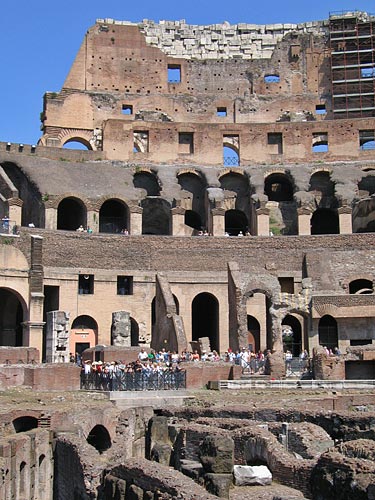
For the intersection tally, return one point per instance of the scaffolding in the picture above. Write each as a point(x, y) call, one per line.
point(352, 46)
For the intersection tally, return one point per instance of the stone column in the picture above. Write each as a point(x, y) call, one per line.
point(178, 221)
point(15, 210)
point(263, 222)
point(33, 328)
point(50, 217)
point(345, 220)
point(135, 220)
point(121, 329)
point(57, 338)
point(304, 221)
point(218, 221)
point(93, 220)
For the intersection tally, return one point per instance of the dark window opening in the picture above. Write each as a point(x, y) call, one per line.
point(71, 214)
point(205, 319)
point(127, 109)
point(325, 221)
point(221, 111)
point(193, 219)
point(99, 438)
point(236, 222)
point(328, 335)
point(124, 285)
point(286, 285)
point(278, 188)
point(24, 424)
point(174, 73)
point(275, 139)
point(186, 142)
point(355, 342)
point(86, 284)
point(361, 287)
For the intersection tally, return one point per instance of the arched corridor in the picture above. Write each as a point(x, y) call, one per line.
point(205, 319)
point(11, 319)
point(113, 217)
point(328, 334)
point(71, 213)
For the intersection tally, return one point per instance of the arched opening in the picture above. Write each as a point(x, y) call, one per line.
point(322, 187)
point(24, 424)
point(194, 184)
point(134, 332)
point(71, 214)
point(11, 318)
point(253, 333)
point(361, 287)
point(77, 143)
point(147, 181)
point(84, 334)
point(42, 475)
point(193, 220)
point(231, 156)
point(236, 187)
point(22, 480)
point(292, 335)
point(283, 209)
point(205, 319)
point(364, 215)
point(235, 221)
point(278, 188)
point(325, 221)
point(156, 216)
point(366, 186)
point(99, 438)
point(113, 217)
point(328, 333)
point(320, 142)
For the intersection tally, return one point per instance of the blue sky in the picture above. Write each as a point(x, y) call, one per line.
point(39, 41)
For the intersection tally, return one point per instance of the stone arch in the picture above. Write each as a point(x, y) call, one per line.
point(42, 475)
point(77, 140)
point(13, 312)
point(24, 423)
point(22, 480)
point(193, 182)
point(71, 213)
point(323, 189)
point(292, 334)
point(364, 215)
point(328, 332)
point(253, 333)
point(366, 186)
point(85, 137)
point(113, 216)
point(148, 180)
point(279, 188)
point(325, 221)
point(236, 185)
point(99, 438)
point(236, 222)
point(156, 216)
point(205, 319)
point(84, 334)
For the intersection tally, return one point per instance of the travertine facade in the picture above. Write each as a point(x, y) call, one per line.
point(230, 130)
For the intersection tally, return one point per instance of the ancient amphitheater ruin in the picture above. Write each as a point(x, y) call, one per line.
point(225, 191)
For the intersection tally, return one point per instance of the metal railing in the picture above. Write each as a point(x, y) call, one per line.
point(231, 161)
point(142, 381)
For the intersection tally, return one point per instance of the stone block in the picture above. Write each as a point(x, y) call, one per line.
point(218, 484)
point(246, 475)
point(217, 454)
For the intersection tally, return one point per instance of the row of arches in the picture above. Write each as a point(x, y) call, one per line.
point(114, 218)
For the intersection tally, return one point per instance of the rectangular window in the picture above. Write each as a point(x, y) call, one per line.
point(174, 73)
point(124, 285)
point(272, 79)
point(367, 139)
point(127, 109)
point(286, 285)
point(275, 140)
point(221, 111)
point(186, 142)
point(140, 144)
point(320, 142)
point(86, 284)
point(320, 109)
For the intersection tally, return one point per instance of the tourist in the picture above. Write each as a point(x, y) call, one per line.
point(80, 229)
point(142, 355)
